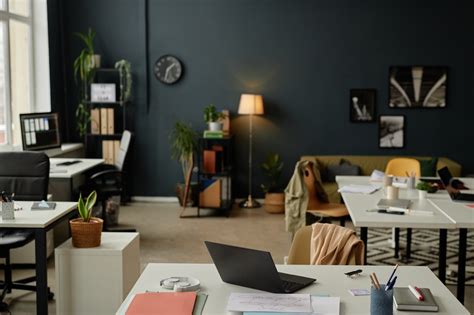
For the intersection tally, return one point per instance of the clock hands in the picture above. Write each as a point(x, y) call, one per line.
point(167, 72)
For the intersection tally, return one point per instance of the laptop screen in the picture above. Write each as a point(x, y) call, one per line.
point(445, 176)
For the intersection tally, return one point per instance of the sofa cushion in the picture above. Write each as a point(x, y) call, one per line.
point(428, 167)
point(345, 168)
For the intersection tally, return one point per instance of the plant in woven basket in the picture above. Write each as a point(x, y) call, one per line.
point(86, 230)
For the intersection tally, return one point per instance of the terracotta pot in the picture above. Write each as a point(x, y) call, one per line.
point(274, 202)
point(86, 234)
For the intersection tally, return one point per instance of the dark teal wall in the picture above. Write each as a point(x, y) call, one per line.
point(303, 56)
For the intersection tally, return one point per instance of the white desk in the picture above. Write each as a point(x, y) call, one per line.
point(330, 280)
point(40, 221)
point(64, 180)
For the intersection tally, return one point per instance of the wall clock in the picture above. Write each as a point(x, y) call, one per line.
point(168, 69)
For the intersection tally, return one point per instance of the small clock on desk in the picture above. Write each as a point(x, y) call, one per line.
point(168, 69)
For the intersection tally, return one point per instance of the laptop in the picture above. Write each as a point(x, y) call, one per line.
point(448, 180)
point(253, 269)
point(393, 203)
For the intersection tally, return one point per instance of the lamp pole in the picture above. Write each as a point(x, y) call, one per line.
point(250, 202)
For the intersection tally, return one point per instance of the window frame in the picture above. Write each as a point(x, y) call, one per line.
point(5, 17)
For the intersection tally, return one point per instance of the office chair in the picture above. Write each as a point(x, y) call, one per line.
point(27, 175)
point(109, 180)
point(401, 167)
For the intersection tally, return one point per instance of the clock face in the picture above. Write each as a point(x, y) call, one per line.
point(168, 69)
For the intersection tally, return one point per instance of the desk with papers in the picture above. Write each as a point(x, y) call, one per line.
point(331, 282)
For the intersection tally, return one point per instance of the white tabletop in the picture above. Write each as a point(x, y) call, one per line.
point(330, 280)
point(459, 212)
point(27, 218)
point(68, 171)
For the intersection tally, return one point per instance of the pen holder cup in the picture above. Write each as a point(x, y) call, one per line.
point(8, 211)
point(411, 182)
point(381, 301)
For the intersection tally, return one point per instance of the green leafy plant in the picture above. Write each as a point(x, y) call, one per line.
point(273, 167)
point(183, 145)
point(85, 208)
point(212, 115)
point(84, 71)
point(125, 69)
point(430, 188)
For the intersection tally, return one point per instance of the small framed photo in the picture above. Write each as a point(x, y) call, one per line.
point(103, 92)
point(391, 131)
point(362, 105)
point(418, 86)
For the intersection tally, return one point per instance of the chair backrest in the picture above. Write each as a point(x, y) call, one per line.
point(403, 166)
point(123, 150)
point(26, 174)
point(300, 250)
point(309, 180)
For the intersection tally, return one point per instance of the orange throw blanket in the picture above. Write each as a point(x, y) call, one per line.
point(335, 245)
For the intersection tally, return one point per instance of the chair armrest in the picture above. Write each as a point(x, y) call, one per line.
point(106, 173)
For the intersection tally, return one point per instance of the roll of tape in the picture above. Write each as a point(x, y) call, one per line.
point(181, 284)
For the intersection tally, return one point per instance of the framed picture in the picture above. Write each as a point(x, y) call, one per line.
point(391, 131)
point(103, 92)
point(362, 105)
point(418, 86)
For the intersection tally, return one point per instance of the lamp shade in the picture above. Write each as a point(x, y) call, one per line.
point(251, 104)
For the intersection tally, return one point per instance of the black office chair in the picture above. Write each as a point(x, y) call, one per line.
point(26, 174)
point(110, 181)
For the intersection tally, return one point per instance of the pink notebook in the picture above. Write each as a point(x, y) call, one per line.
point(165, 303)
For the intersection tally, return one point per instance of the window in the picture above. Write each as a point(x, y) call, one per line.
point(16, 67)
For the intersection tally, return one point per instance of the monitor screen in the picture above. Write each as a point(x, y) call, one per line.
point(40, 131)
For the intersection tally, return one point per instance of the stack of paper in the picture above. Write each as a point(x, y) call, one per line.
point(362, 189)
point(282, 304)
point(377, 176)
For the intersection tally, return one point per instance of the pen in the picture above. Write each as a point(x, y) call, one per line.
point(390, 212)
point(391, 276)
point(392, 284)
point(417, 293)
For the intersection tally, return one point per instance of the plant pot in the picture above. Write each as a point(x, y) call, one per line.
point(274, 202)
point(95, 61)
point(86, 234)
point(215, 126)
point(422, 194)
point(193, 194)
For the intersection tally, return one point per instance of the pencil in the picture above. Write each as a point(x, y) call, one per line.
point(372, 280)
point(376, 280)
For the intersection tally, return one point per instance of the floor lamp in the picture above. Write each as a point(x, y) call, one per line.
point(250, 104)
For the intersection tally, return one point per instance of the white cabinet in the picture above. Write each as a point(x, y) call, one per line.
point(96, 280)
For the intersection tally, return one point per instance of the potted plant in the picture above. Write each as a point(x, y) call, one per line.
point(425, 188)
point(84, 71)
point(125, 70)
point(86, 230)
point(183, 145)
point(212, 117)
point(274, 195)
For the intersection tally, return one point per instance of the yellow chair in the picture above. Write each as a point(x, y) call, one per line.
point(301, 247)
point(315, 206)
point(402, 167)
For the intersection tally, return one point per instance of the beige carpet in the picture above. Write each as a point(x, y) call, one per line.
point(166, 238)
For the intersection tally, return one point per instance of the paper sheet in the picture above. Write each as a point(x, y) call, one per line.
point(363, 189)
point(325, 305)
point(267, 302)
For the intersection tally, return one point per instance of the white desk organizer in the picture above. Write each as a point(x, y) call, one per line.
point(8, 211)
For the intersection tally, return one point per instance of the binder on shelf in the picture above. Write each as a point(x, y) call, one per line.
point(116, 149)
point(105, 151)
point(95, 121)
point(209, 161)
point(103, 121)
point(210, 196)
point(110, 121)
point(111, 152)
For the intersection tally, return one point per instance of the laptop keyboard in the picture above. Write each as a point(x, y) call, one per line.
point(289, 286)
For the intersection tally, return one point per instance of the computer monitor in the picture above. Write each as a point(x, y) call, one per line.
point(40, 131)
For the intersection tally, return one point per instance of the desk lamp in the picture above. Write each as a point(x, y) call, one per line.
point(250, 104)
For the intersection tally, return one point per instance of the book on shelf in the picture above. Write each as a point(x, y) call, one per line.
point(103, 121)
point(95, 121)
point(110, 121)
point(209, 134)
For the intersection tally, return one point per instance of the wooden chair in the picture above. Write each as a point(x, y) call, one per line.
point(316, 207)
point(301, 247)
point(401, 167)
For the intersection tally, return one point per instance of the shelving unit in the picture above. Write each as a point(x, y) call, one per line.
point(226, 174)
point(93, 142)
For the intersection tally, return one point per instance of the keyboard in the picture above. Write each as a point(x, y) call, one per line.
point(289, 286)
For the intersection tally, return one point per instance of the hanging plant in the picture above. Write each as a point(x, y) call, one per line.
point(125, 70)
